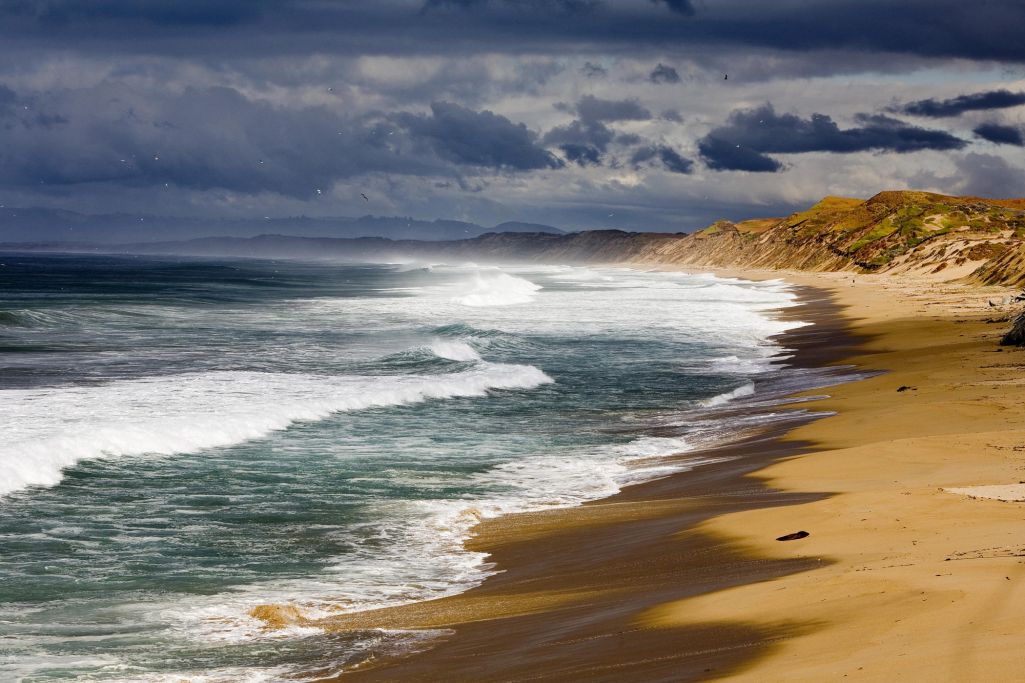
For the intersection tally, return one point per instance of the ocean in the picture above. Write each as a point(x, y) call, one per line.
point(186, 439)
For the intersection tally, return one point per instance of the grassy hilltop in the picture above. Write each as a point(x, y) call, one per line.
point(898, 231)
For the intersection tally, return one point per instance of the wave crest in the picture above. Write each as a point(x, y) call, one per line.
point(741, 391)
point(48, 430)
point(498, 289)
point(454, 349)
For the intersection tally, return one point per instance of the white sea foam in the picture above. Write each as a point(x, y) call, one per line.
point(741, 391)
point(48, 430)
point(424, 556)
point(495, 288)
point(454, 349)
point(742, 366)
point(650, 446)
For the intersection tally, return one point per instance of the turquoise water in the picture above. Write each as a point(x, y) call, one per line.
point(185, 439)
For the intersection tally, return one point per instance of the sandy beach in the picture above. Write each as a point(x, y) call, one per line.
point(683, 578)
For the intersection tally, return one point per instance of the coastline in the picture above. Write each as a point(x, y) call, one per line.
point(682, 579)
point(922, 582)
point(566, 563)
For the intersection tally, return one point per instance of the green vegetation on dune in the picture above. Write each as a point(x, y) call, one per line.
point(871, 233)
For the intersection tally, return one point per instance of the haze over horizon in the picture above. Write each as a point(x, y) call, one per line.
point(633, 114)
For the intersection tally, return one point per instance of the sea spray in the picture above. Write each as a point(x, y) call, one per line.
point(494, 288)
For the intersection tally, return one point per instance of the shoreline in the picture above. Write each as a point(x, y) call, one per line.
point(561, 567)
point(682, 578)
point(897, 599)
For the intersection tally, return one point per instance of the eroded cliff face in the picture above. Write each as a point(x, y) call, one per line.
point(893, 232)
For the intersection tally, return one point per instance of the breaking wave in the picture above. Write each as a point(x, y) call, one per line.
point(47, 431)
point(741, 391)
point(498, 289)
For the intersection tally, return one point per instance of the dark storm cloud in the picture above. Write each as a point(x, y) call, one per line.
point(591, 108)
point(116, 136)
point(749, 136)
point(113, 135)
point(7, 99)
point(1000, 134)
point(484, 138)
point(664, 74)
point(989, 30)
point(674, 162)
point(581, 141)
point(670, 158)
point(159, 12)
point(585, 140)
point(583, 144)
point(120, 98)
point(566, 6)
point(683, 7)
point(725, 155)
point(582, 155)
point(993, 99)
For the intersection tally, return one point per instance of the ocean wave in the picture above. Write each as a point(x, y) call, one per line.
point(736, 365)
point(741, 391)
point(497, 289)
point(49, 430)
point(454, 349)
point(32, 318)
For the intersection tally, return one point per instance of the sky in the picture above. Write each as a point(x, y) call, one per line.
point(633, 114)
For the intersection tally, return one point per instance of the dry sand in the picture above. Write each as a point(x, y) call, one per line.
point(682, 579)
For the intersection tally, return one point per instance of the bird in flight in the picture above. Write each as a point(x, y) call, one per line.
point(364, 196)
point(726, 77)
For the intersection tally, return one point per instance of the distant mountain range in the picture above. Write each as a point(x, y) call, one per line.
point(38, 225)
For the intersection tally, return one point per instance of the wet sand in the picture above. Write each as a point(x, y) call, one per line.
point(682, 578)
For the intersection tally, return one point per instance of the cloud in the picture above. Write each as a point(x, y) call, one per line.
point(582, 155)
point(157, 12)
point(591, 108)
point(988, 175)
point(112, 135)
point(7, 99)
point(749, 136)
point(725, 155)
point(213, 89)
point(263, 28)
point(670, 158)
point(664, 74)
point(992, 99)
point(683, 7)
point(583, 142)
point(1000, 134)
point(564, 6)
point(484, 138)
point(674, 162)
